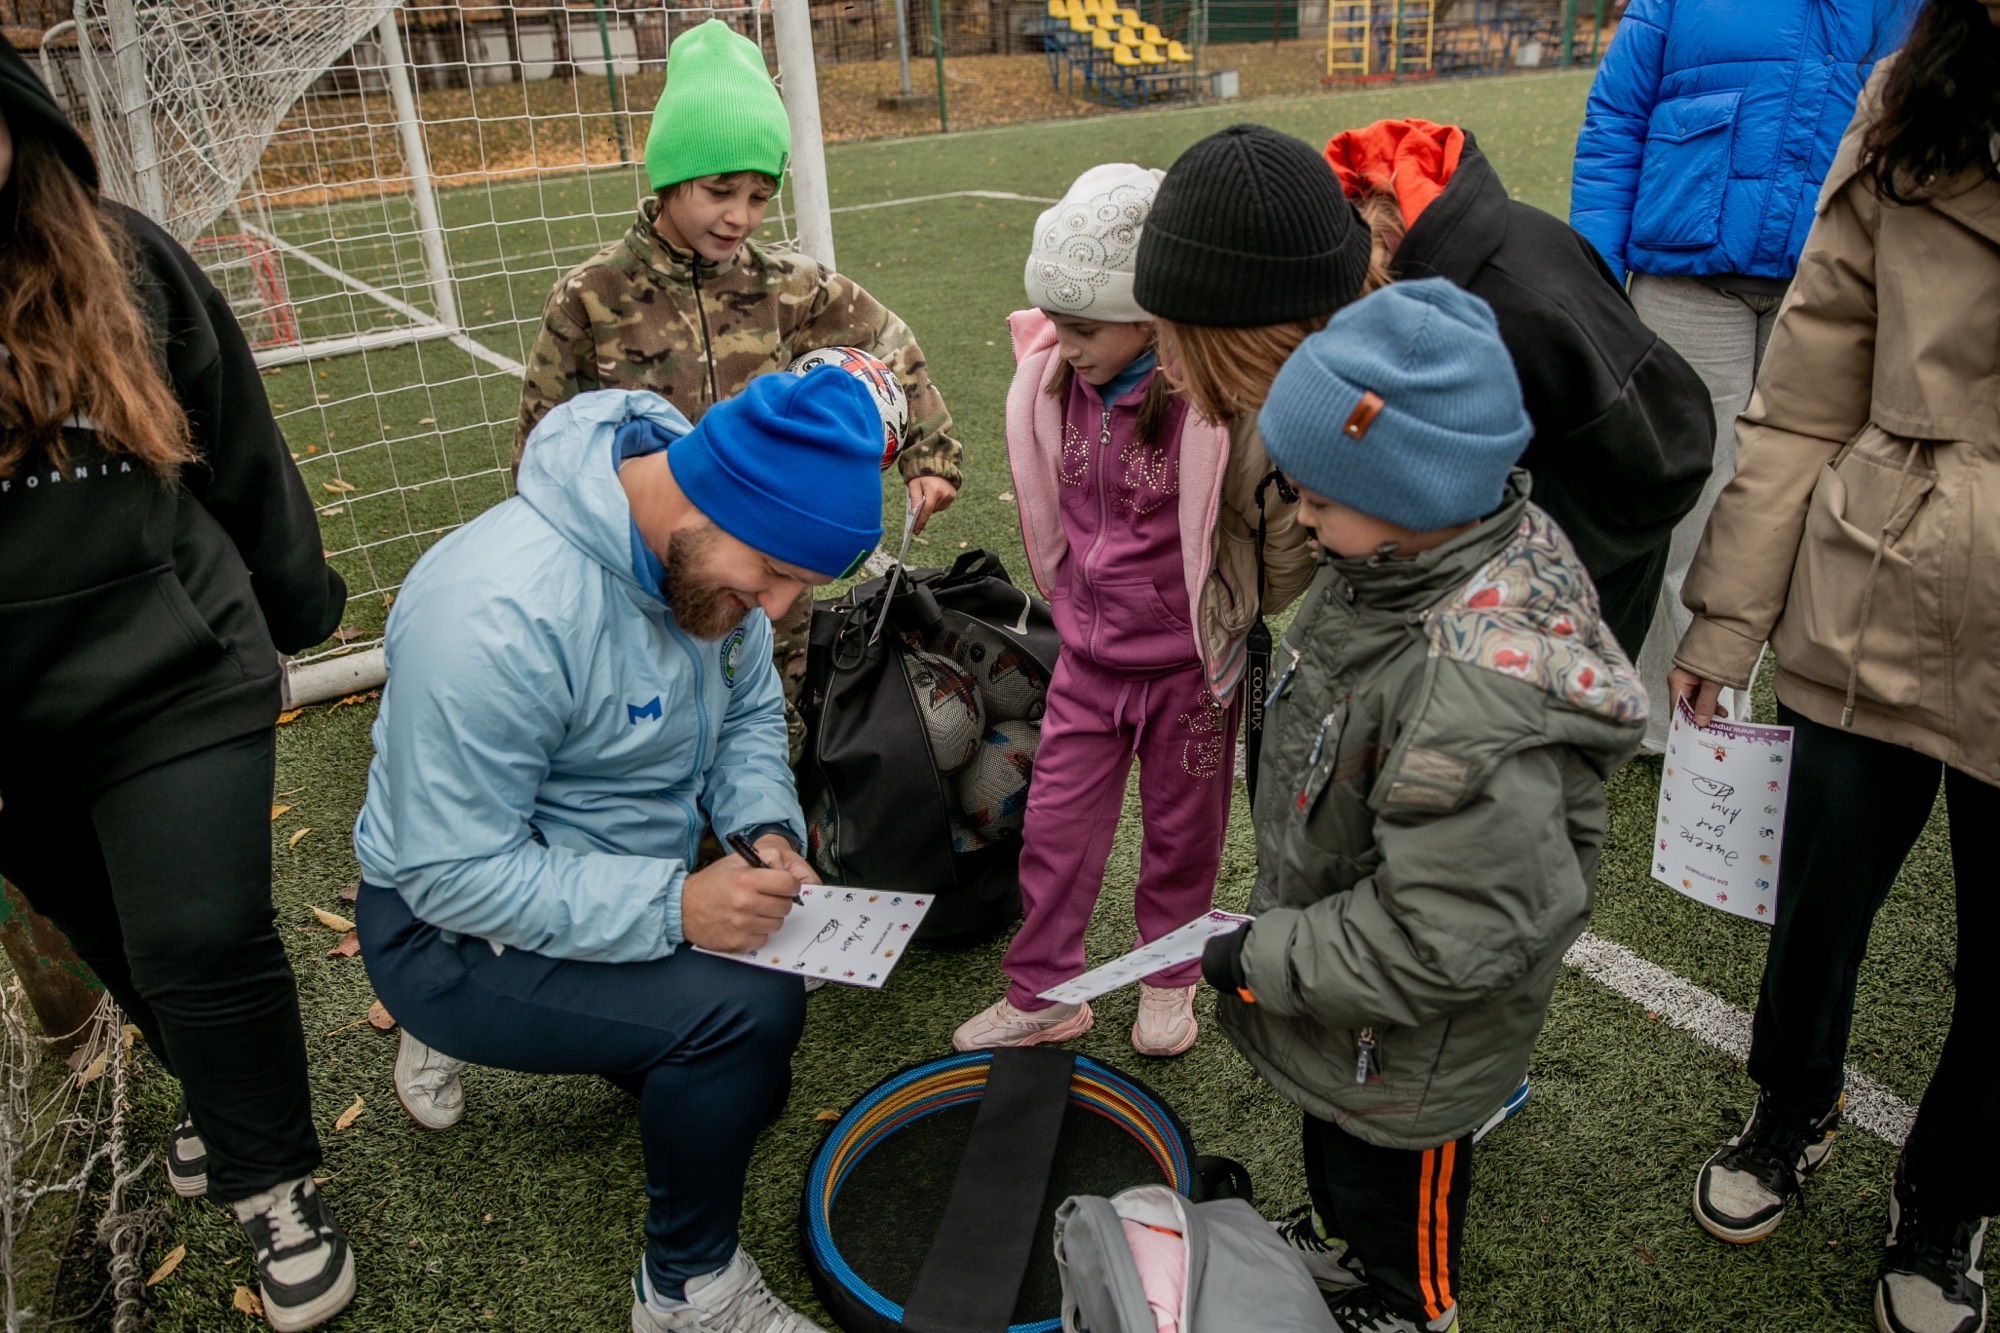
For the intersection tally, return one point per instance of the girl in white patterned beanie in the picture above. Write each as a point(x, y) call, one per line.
point(1138, 516)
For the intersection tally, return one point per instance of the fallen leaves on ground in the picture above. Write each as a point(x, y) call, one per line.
point(378, 1017)
point(826, 1115)
point(351, 1114)
point(332, 920)
point(348, 634)
point(93, 1071)
point(349, 946)
point(293, 841)
point(167, 1265)
point(245, 1301)
point(350, 892)
point(289, 715)
point(277, 810)
point(356, 698)
point(338, 486)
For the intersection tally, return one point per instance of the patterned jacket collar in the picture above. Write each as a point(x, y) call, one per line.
point(671, 263)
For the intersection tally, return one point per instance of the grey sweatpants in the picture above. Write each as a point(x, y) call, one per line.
point(1723, 336)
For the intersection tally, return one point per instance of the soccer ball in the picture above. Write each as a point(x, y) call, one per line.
point(1011, 683)
point(948, 702)
point(965, 839)
point(993, 789)
point(881, 384)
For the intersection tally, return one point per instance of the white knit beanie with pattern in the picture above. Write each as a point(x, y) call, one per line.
point(1081, 263)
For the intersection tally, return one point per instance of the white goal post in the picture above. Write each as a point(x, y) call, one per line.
point(386, 191)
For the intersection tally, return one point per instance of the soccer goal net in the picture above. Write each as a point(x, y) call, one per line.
point(386, 193)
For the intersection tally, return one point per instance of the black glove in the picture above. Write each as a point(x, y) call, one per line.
point(1222, 962)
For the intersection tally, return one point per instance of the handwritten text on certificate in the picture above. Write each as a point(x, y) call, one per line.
point(1721, 819)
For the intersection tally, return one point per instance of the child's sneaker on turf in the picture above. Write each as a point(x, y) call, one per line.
point(1332, 1265)
point(1364, 1313)
point(1510, 1108)
point(1165, 1025)
point(187, 1157)
point(427, 1083)
point(734, 1299)
point(1742, 1191)
point(1004, 1025)
point(305, 1271)
point(1933, 1278)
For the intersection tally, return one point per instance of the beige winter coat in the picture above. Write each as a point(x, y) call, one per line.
point(1861, 534)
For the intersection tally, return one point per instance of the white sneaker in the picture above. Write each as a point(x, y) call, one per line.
point(1166, 1024)
point(305, 1272)
point(427, 1084)
point(735, 1299)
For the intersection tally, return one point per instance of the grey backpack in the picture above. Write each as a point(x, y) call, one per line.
point(1240, 1275)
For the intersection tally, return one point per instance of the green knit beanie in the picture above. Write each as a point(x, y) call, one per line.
point(719, 112)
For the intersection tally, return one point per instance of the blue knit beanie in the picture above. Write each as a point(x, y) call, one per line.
point(1404, 407)
point(792, 467)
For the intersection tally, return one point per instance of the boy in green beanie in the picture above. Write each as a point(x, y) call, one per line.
point(687, 305)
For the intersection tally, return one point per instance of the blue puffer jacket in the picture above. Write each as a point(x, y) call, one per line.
point(550, 742)
point(1711, 125)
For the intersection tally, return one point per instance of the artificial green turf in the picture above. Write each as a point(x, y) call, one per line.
point(527, 1216)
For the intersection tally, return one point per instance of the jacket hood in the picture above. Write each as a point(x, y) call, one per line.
point(569, 473)
point(1510, 596)
point(31, 111)
point(1412, 159)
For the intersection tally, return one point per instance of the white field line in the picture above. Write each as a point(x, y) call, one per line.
point(949, 194)
point(1722, 1025)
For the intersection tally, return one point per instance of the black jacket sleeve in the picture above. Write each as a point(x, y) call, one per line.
point(1624, 428)
point(245, 476)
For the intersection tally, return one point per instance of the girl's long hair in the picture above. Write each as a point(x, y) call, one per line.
point(77, 344)
point(1227, 373)
point(1153, 407)
point(1940, 104)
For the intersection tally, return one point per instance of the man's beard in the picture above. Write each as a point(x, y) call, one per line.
point(699, 607)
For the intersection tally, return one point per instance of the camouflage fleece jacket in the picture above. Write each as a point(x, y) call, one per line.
point(640, 314)
point(1428, 819)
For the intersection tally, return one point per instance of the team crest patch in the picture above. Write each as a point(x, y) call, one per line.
point(732, 656)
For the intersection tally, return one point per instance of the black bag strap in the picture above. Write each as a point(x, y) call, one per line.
point(1257, 652)
point(971, 1277)
point(1221, 1178)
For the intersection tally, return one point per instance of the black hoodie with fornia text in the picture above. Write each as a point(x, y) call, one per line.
point(141, 620)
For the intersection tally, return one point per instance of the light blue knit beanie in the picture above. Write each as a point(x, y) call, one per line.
point(1404, 407)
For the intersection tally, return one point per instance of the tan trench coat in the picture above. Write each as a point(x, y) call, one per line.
point(1861, 534)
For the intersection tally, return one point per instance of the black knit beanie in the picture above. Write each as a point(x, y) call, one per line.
point(1250, 228)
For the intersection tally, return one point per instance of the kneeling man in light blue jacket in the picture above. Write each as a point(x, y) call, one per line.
point(580, 682)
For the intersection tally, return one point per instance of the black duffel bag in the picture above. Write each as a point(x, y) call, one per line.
point(900, 667)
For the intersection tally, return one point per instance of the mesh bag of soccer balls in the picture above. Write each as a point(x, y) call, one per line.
point(923, 703)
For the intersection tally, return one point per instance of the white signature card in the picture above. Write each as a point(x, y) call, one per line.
point(1721, 817)
point(1176, 946)
point(853, 936)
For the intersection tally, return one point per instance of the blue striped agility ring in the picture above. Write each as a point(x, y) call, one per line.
point(878, 1183)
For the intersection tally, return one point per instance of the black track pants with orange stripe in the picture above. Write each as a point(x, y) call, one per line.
point(1402, 1211)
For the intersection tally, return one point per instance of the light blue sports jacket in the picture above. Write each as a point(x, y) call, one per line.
point(1711, 125)
point(549, 741)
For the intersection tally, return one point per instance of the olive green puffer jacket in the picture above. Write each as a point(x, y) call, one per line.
point(1429, 814)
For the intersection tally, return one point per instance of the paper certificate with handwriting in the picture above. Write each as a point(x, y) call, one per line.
point(853, 936)
point(1721, 818)
point(1176, 946)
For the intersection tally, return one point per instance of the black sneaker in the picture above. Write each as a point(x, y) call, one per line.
point(304, 1267)
point(1333, 1267)
point(1743, 1190)
point(1364, 1312)
point(187, 1158)
point(1932, 1276)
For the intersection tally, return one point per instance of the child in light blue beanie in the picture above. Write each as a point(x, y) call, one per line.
point(1442, 716)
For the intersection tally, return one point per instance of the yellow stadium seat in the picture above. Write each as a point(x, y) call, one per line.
point(1178, 54)
point(1150, 54)
point(1124, 58)
point(1100, 40)
point(1073, 8)
point(1129, 37)
point(1130, 18)
point(1155, 36)
point(1056, 10)
point(1094, 8)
